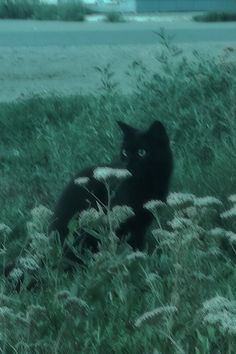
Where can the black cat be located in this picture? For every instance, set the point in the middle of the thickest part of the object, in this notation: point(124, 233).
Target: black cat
point(147, 156)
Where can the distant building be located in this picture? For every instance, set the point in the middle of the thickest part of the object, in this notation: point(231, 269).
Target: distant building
point(185, 5)
point(50, 1)
point(143, 6)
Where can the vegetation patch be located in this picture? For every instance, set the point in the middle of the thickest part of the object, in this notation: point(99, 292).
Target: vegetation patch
point(177, 296)
point(138, 301)
point(71, 10)
point(114, 16)
point(216, 17)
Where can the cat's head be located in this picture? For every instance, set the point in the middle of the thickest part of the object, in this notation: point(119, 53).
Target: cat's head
point(143, 151)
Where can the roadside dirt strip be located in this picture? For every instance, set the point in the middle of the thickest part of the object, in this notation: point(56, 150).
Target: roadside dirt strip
point(28, 71)
point(65, 68)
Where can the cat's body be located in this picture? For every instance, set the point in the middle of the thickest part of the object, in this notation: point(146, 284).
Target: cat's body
point(148, 157)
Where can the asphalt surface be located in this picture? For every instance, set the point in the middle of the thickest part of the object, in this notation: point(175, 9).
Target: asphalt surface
point(34, 34)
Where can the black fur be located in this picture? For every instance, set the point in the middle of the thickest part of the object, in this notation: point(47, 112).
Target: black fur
point(147, 155)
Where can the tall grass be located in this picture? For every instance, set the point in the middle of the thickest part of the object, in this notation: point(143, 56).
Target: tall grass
point(175, 297)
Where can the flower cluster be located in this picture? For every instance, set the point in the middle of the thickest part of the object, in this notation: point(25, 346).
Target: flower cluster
point(105, 173)
point(229, 214)
point(232, 198)
point(81, 181)
point(182, 200)
point(154, 204)
point(207, 202)
point(4, 229)
point(220, 313)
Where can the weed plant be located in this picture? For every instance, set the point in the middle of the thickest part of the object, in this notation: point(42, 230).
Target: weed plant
point(177, 296)
point(114, 16)
point(216, 17)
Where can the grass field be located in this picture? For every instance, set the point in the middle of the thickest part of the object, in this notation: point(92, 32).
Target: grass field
point(176, 297)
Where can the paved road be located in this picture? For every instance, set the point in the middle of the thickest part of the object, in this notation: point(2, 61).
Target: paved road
point(43, 34)
point(54, 57)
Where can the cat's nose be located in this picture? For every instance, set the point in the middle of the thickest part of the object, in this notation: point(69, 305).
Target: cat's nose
point(124, 164)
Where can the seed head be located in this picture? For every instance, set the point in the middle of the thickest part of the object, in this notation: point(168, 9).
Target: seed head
point(105, 173)
point(81, 181)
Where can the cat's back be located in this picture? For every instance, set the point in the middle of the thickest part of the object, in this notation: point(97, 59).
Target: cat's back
point(80, 193)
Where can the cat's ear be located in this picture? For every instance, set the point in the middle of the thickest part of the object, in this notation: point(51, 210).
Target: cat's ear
point(158, 131)
point(126, 128)
point(157, 126)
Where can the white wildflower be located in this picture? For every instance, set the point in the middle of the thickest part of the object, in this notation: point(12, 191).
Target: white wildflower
point(136, 255)
point(163, 234)
point(15, 275)
point(231, 213)
point(89, 216)
point(179, 223)
point(155, 314)
point(152, 277)
point(217, 232)
point(41, 213)
point(191, 236)
point(221, 313)
point(6, 313)
point(232, 198)
point(119, 214)
point(36, 312)
point(154, 204)
point(39, 242)
point(4, 229)
point(164, 237)
point(81, 181)
point(105, 173)
point(225, 321)
point(40, 218)
point(191, 212)
point(218, 303)
point(28, 263)
point(231, 236)
point(207, 201)
point(180, 199)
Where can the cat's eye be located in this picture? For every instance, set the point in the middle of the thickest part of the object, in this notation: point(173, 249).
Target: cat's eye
point(141, 152)
point(124, 153)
